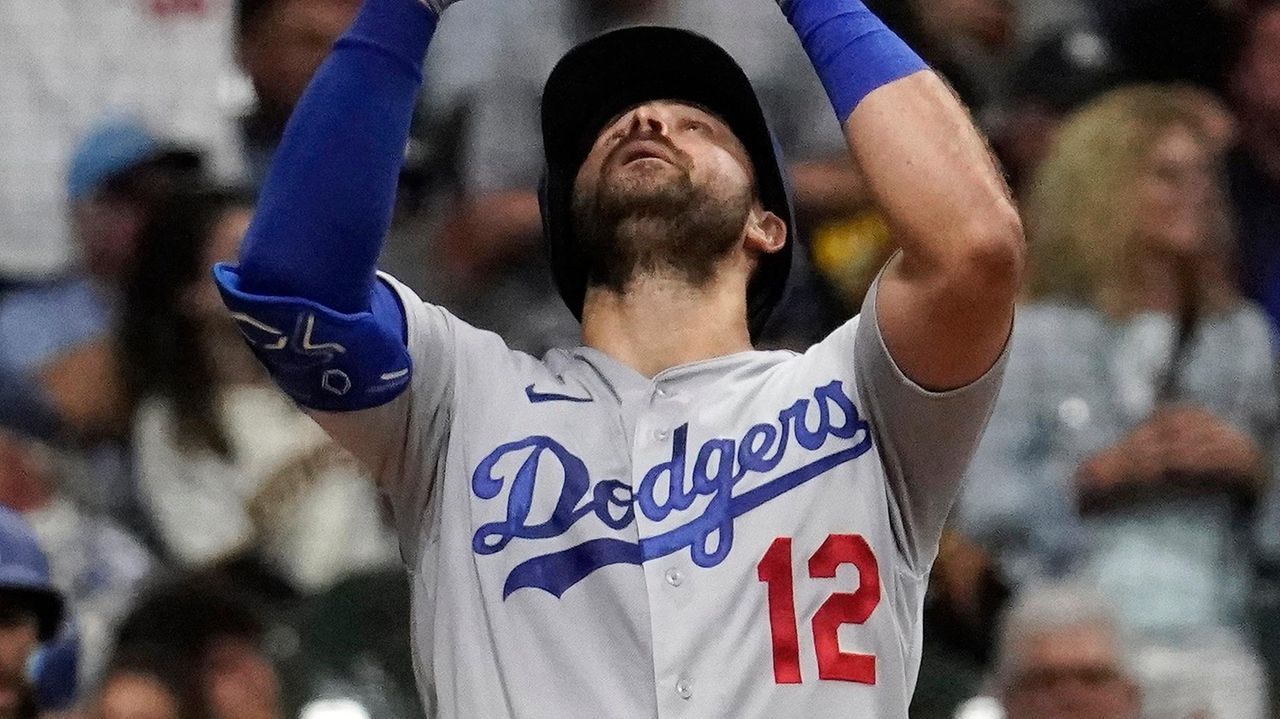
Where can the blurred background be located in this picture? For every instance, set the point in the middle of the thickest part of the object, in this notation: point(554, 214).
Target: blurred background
point(178, 541)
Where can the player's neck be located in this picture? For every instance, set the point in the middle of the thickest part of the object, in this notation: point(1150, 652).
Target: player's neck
point(659, 323)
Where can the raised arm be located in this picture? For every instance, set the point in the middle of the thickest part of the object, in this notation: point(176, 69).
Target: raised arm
point(945, 304)
point(305, 293)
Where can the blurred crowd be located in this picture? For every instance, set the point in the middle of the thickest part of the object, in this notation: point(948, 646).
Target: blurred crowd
point(177, 540)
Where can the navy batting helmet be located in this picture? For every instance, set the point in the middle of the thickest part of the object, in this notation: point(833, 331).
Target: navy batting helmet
point(24, 574)
point(605, 76)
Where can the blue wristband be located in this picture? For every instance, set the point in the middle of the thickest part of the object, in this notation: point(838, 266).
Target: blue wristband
point(852, 51)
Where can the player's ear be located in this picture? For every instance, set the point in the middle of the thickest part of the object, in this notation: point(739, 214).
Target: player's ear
point(765, 231)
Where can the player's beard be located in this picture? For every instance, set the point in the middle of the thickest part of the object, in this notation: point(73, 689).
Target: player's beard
point(632, 226)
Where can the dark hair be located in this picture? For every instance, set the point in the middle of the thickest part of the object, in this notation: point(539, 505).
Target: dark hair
point(252, 13)
point(151, 180)
point(168, 668)
point(159, 342)
point(1255, 9)
point(186, 618)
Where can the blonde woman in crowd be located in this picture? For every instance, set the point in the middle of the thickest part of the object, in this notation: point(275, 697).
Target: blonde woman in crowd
point(1129, 447)
point(228, 467)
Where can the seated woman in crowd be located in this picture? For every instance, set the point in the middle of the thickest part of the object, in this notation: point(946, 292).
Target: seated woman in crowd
point(1129, 446)
point(227, 466)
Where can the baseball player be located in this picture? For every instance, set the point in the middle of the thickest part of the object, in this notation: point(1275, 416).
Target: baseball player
point(662, 522)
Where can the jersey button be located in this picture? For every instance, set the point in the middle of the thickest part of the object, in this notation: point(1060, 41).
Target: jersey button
point(674, 577)
point(684, 688)
point(660, 435)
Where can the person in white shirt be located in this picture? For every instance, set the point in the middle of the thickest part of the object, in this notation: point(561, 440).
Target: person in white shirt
point(226, 465)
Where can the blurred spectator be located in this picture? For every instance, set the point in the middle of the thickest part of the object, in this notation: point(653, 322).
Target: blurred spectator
point(67, 63)
point(280, 44)
point(1061, 657)
point(1218, 676)
point(214, 642)
point(974, 45)
point(95, 564)
point(969, 41)
point(31, 614)
point(1218, 122)
point(986, 24)
point(490, 69)
point(116, 176)
point(53, 337)
point(966, 595)
point(1255, 165)
point(147, 682)
point(1130, 439)
point(976, 39)
point(1038, 19)
point(1059, 74)
point(355, 646)
point(226, 465)
point(58, 378)
point(1171, 41)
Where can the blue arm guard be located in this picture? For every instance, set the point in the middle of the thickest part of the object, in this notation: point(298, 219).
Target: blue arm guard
point(324, 360)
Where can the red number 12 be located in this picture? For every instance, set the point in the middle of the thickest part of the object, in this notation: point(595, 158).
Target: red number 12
point(840, 608)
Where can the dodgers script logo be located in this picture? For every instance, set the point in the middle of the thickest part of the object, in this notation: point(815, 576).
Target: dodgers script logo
point(717, 467)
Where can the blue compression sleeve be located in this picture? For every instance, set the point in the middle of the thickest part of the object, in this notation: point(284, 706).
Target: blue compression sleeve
point(305, 294)
point(852, 51)
point(327, 202)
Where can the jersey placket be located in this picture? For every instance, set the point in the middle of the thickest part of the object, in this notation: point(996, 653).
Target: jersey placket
point(669, 580)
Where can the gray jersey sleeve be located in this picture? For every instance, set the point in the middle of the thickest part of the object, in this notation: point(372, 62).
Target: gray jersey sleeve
point(925, 439)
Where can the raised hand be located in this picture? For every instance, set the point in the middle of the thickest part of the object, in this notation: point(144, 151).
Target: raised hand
point(1195, 442)
point(1178, 443)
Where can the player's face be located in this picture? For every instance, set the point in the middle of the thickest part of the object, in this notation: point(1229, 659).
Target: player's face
point(666, 187)
point(643, 149)
point(1071, 675)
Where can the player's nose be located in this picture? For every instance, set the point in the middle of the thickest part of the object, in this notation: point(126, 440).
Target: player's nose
point(647, 119)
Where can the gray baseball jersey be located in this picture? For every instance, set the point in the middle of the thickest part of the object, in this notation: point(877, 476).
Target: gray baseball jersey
point(746, 536)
